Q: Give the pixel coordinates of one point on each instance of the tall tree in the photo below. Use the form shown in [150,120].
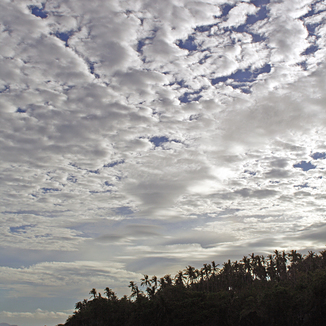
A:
[93,292]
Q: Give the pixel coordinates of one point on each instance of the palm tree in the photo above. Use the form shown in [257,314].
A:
[178,279]
[145,281]
[247,269]
[214,267]
[271,267]
[280,260]
[154,281]
[201,275]
[93,292]
[80,305]
[134,289]
[294,256]
[259,267]
[323,257]
[214,273]
[246,263]
[207,269]
[162,283]
[151,291]
[165,281]
[168,279]
[110,294]
[191,273]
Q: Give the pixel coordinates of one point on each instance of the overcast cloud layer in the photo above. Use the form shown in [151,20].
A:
[142,136]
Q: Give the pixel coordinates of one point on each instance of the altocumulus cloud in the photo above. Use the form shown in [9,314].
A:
[143,136]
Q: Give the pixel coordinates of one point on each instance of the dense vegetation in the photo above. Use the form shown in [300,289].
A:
[281,289]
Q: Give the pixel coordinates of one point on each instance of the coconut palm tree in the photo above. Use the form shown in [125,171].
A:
[191,273]
[246,263]
[93,292]
[294,256]
[178,279]
[214,274]
[134,290]
[214,267]
[110,294]
[154,281]
[271,268]
[168,279]
[151,291]
[145,281]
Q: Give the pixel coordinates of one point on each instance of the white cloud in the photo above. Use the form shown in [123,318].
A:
[68,279]
[85,91]
[38,314]
[238,14]
[38,317]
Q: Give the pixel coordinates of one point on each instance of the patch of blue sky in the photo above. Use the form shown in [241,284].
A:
[124,210]
[112,164]
[21,229]
[49,190]
[203,60]
[20,110]
[225,10]
[194,117]
[189,44]
[318,155]
[305,185]
[6,88]
[99,192]
[242,76]
[204,28]
[64,36]
[91,66]
[72,179]
[261,14]
[142,42]
[303,65]
[181,83]
[39,12]
[158,141]
[313,10]
[46,235]
[94,171]
[250,172]
[190,97]
[259,3]
[311,28]
[256,38]
[312,49]
[305,166]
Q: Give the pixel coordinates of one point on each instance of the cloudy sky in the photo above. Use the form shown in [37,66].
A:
[140,136]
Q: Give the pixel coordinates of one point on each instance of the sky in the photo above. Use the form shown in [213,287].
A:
[141,136]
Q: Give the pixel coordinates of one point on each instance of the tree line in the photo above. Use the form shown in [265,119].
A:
[279,289]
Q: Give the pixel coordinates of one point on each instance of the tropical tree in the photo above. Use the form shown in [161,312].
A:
[93,292]
[191,273]
[154,281]
[178,279]
[145,281]
[134,290]
[271,267]
[110,294]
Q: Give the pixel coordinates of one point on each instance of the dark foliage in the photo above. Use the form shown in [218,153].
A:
[282,289]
